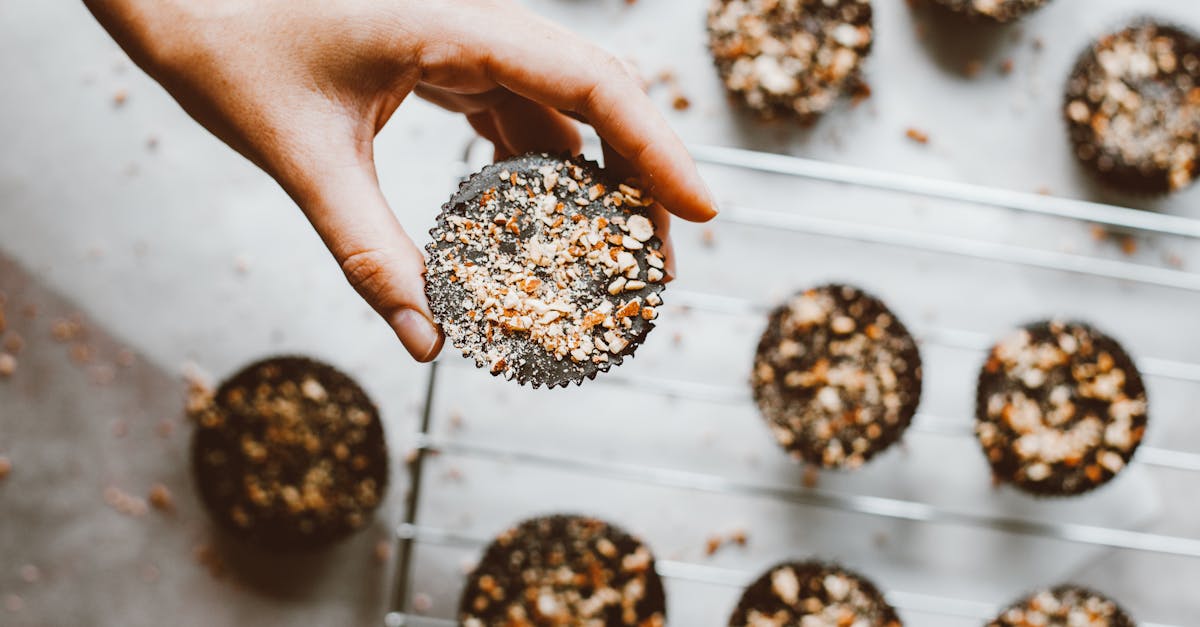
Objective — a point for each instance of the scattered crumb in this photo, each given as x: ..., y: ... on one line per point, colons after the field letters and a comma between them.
x: 30, y: 573
x: 14, y: 343
x: 126, y: 358
x: 13, y: 603
x: 677, y: 338
x: 8, y: 365
x: 708, y: 238
x: 738, y: 537
x: 81, y: 353
x: 717, y: 541
x: 917, y: 135
x: 1038, y: 44
x: 241, y: 264
x: 209, y: 558
x: 712, y: 545
x: 422, y: 603
x: 680, y: 102
x: 972, y: 68
x: 6, y: 467
x: 1006, y: 67
x: 120, y: 97
x: 152, y: 143
x: 103, y: 374
x: 1173, y: 260
x: 1099, y: 233
x: 66, y: 329
x: 160, y: 498
x: 150, y: 573
x: 1129, y: 245
x: 124, y: 502
x: 199, y: 389
x: 383, y: 551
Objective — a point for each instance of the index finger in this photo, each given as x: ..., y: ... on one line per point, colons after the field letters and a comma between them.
x: 547, y: 64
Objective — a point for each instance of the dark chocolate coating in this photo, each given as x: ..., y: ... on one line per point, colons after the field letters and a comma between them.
x: 339, y: 437
x: 528, y: 559
x: 764, y: 597
x: 530, y: 362
x: 799, y: 419
x: 1140, y: 152
x: 999, y: 10
x: 1094, y: 604
x: 1072, y: 475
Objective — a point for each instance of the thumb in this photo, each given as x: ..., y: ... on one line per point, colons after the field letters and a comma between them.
x: 380, y: 261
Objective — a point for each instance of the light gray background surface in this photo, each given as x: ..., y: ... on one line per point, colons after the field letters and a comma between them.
x: 184, y: 252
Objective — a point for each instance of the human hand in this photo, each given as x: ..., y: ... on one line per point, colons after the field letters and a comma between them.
x: 302, y: 88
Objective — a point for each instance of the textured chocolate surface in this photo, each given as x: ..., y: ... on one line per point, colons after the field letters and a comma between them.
x: 289, y: 454
x: 545, y: 270
x: 1061, y: 408
x: 1132, y: 106
x: 790, y: 59
x: 998, y: 10
x: 1063, y: 606
x: 816, y: 594
x: 564, y: 570
x: 837, y: 376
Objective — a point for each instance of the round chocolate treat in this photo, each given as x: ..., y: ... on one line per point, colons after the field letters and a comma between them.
x: 998, y: 10
x: 564, y: 570
x: 813, y: 593
x: 1064, y: 606
x: 1060, y: 409
x: 289, y: 454
x: 546, y: 270
x: 837, y: 376
x: 1132, y: 107
x: 790, y: 58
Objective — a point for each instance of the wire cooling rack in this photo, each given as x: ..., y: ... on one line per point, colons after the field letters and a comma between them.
x: 411, y: 532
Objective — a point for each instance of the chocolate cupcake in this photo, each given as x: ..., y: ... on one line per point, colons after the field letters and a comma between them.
x: 564, y: 570
x: 1064, y: 606
x: 545, y: 269
x: 289, y: 454
x: 998, y: 10
x: 837, y: 376
x: 790, y: 58
x: 813, y: 593
x: 1132, y: 107
x: 1061, y: 408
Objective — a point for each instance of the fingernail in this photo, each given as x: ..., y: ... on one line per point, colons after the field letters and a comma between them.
x: 712, y: 200
x: 417, y: 333
x: 669, y: 274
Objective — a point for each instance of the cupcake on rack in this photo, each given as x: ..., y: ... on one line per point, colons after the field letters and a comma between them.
x: 1132, y: 106
x: 790, y: 59
x: 1060, y: 409
x: 289, y: 453
x: 564, y: 570
x: 837, y: 376
x: 545, y: 269
x: 813, y: 593
x: 1064, y: 606
x: 997, y: 10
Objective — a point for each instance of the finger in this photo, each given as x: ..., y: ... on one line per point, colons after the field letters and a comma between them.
x: 345, y: 205
x: 622, y: 169
x: 531, y: 127
x: 585, y: 80
x: 485, y: 125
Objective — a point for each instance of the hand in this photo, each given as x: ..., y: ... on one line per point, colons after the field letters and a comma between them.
x: 302, y: 88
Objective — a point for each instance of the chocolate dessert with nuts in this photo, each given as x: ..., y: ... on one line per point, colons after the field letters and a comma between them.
x: 288, y: 454
x: 545, y: 270
x: 790, y: 59
x: 564, y: 570
x: 1061, y: 408
x: 1064, y: 606
x: 998, y: 10
x: 1132, y: 107
x: 837, y: 376
x: 812, y: 593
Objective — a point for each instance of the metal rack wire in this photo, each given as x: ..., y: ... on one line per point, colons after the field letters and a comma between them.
x: 410, y: 532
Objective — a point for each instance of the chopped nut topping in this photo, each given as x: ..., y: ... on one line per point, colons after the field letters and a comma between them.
x: 1064, y: 605
x: 812, y: 594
